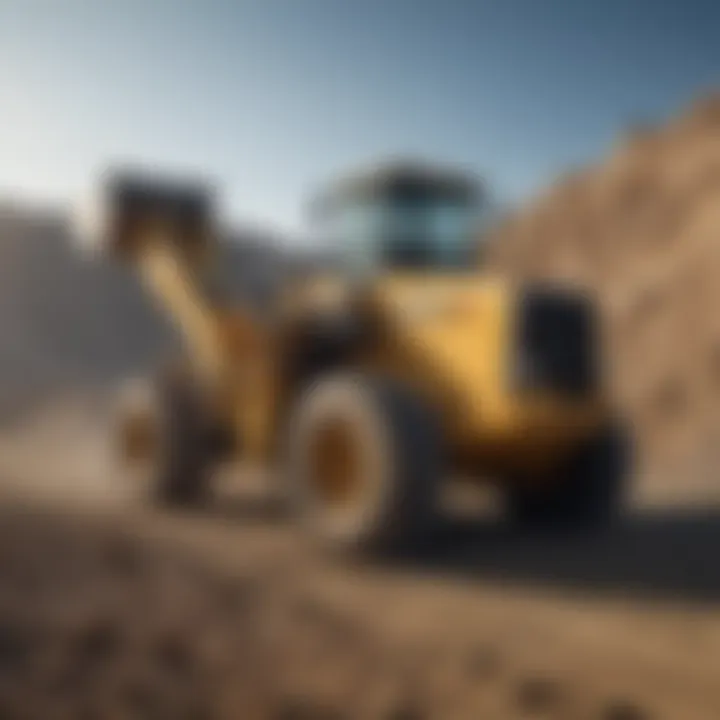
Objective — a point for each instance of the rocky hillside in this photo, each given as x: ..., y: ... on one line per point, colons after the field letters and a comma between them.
x: 642, y: 227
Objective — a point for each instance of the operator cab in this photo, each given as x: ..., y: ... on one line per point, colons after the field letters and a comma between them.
x: 402, y: 216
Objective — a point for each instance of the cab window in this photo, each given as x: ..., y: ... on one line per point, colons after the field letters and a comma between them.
x: 413, y: 233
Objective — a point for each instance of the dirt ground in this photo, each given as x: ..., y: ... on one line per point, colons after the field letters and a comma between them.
x: 111, y: 611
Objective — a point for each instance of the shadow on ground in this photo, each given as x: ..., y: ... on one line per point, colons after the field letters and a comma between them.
x: 669, y: 554
x: 663, y: 554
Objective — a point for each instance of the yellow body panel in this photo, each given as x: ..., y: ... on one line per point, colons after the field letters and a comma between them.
x: 452, y: 335
x: 458, y: 332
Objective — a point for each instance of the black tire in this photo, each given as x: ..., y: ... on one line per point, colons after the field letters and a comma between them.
x: 588, y: 492
x: 395, y: 503
x: 181, y: 464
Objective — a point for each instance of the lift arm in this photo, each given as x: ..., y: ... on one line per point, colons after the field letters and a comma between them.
x: 174, y: 284
x: 167, y: 231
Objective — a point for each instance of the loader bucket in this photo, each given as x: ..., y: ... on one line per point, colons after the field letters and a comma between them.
x: 134, y: 209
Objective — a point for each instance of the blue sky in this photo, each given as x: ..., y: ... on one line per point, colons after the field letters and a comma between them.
x: 272, y: 97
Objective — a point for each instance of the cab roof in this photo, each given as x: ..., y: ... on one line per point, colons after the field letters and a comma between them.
x: 401, y: 179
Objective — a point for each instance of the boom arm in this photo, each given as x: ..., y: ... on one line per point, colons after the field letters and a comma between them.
x: 175, y: 285
x: 166, y: 230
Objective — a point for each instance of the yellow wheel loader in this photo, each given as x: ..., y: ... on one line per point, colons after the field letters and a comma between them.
x: 371, y: 380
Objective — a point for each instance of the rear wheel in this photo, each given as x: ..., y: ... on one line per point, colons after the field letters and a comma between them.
x: 183, y: 465
x: 587, y: 493
x: 363, y: 463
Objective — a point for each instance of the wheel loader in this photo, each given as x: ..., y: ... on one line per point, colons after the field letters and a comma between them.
x: 365, y: 384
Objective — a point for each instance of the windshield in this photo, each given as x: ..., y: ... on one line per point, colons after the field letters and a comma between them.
x: 434, y: 233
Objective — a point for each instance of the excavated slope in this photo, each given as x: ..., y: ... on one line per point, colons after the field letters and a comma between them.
x: 71, y: 320
x: 66, y: 320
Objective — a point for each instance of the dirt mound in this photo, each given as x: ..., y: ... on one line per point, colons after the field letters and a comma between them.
x: 98, y: 622
x: 641, y: 228
x: 93, y: 625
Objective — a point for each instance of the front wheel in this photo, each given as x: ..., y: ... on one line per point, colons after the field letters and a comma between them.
x: 364, y: 463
